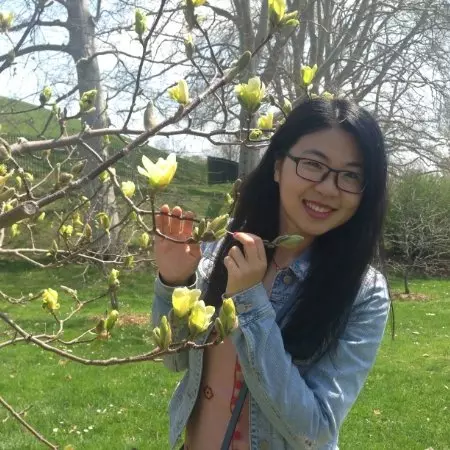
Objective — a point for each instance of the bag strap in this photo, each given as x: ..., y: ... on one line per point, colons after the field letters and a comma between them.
x: 243, y: 394
x: 234, y: 417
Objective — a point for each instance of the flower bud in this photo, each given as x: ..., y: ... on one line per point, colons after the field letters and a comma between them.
x: 144, y: 240
x: 166, y: 333
x: 218, y: 223
x: 65, y: 178
x: 220, y: 330
x: 128, y: 188
x: 189, y: 46
x: 78, y: 167
x: 45, y: 95
x: 288, y: 241
x: 87, y: 232
x: 255, y: 134
x: 113, y: 280
x: 15, y: 230
x: 111, y: 320
x: 228, y: 316
x: 87, y: 101
x: 140, y: 23
x: 129, y: 262
x: 156, y: 335
x: 66, y: 231
x: 100, y: 328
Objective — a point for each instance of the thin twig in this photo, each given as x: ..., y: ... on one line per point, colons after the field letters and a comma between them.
x: 23, y: 422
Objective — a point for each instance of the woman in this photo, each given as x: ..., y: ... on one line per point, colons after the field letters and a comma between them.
x: 323, y: 177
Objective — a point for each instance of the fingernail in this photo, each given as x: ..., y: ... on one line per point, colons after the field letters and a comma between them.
x: 235, y: 233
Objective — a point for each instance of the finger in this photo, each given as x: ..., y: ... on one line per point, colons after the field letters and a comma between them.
x: 230, y: 265
x: 175, y: 221
x: 261, y: 249
x: 250, y: 249
x: 237, y: 256
x: 162, y: 220
x: 188, y: 224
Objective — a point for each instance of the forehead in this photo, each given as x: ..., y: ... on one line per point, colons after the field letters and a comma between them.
x: 338, y: 146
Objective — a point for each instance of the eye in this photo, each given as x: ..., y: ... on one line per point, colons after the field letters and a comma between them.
x: 354, y: 176
x: 311, y: 164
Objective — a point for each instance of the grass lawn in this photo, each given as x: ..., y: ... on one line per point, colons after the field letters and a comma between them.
x: 405, y: 403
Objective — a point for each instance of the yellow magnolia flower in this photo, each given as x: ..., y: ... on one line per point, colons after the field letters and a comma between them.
x: 159, y: 174
x: 200, y: 318
x: 196, y: 3
x: 66, y: 230
x: 87, y: 101
x: 128, y: 188
x: 180, y: 93
x: 266, y: 122
x: 277, y: 9
x: 6, y: 19
x: 50, y: 299
x: 307, y: 74
x: 183, y: 300
x: 250, y: 95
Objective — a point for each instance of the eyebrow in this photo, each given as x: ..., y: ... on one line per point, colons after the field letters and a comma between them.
x: 321, y: 155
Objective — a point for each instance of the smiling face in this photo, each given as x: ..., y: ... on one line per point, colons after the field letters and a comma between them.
x: 312, y: 208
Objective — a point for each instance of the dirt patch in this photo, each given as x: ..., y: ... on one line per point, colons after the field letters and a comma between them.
x: 410, y: 297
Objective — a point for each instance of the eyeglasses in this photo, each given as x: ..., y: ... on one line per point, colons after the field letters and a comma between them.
x: 312, y: 170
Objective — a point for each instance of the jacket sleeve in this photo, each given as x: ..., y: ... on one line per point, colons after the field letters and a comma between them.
x: 162, y: 304
x: 308, y: 409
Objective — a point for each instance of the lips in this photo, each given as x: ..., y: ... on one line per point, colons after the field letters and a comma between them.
x: 317, y: 210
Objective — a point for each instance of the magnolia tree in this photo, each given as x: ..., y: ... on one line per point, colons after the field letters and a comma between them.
x: 82, y: 233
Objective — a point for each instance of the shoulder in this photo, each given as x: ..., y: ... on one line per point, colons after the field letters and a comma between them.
x: 373, y: 294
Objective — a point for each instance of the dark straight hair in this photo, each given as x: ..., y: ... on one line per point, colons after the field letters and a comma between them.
x: 339, y: 258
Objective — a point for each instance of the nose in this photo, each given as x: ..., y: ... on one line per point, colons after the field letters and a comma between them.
x: 328, y: 186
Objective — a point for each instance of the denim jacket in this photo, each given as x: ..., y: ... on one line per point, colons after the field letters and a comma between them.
x: 293, y: 405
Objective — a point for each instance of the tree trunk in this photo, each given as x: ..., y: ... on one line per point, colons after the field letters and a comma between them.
x: 405, y: 282
x: 81, y: 47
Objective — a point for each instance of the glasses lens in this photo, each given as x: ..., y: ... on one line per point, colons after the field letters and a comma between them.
x: 311, y: 170
x: 351, y: 182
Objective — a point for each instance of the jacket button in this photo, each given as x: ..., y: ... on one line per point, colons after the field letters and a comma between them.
x: 264, y: 445
x: 287, y: 279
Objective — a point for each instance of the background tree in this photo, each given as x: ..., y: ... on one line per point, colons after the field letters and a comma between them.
x: 416, y: 235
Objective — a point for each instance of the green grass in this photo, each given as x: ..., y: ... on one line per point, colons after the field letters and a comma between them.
x: 404, y: 404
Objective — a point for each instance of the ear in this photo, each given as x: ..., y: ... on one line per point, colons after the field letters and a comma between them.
x: 277, y: 170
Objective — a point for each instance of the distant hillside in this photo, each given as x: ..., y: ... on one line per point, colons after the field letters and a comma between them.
x: 20, y: 119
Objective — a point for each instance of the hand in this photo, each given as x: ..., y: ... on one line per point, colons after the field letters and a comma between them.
x: 176, y: 262
x: 248, y: 268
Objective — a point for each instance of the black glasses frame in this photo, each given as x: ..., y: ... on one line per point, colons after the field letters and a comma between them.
x: 297, y: 159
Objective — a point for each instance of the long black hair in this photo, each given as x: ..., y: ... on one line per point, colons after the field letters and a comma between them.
x: 338, y: 258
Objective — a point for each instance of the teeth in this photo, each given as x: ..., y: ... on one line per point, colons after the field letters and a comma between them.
x: 316, y: 208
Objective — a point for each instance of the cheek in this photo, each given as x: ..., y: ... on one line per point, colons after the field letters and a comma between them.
x: 350, y: 205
